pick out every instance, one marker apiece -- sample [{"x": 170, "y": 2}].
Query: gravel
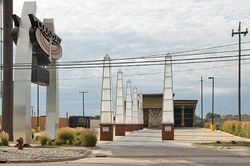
[{"x": 12, "y": 154}]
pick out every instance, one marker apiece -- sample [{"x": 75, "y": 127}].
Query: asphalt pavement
[{"x": 146, "y": 148}]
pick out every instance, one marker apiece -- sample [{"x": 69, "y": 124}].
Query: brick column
[
  {"x": 167, "y": 132},
  {"x": 106, "y": 132}
]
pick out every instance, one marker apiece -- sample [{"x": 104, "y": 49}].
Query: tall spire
[
  {"x": 168, "y": 103},
  {"x": 135, "y": 106},
  {"x": 106, "y": 130},
  {"x": 129, "y": 114},
  {"x": 120, "y": 116}
]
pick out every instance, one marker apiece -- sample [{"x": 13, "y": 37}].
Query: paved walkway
[{"x": 148, "y": 143}]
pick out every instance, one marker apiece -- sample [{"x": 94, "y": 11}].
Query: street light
[
  {"x": 83, "y": 92},
  {"x": 212, "y": 78}
]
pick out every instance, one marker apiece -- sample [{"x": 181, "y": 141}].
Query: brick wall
[{"x": 63, "y": 122}]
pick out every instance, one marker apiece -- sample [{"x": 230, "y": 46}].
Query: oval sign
[{"x": 49, "y": 48}]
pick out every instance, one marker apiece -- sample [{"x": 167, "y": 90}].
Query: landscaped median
[
  {"x": 38, "y": 154},
  {"x": 69, "y": 144}
]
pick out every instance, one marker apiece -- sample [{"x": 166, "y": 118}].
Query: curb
[
  {"x": 180, "y": 156},
  {"x": 84, "y": 155}
]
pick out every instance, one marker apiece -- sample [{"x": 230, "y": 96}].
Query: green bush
[
  {"x": 245, "y": 130},
  {"x": 85, "y": 137},
  {"x": 4, "y": 138},
  {"x": 90, "y": 140},
  {"x": 65, "y": 136},
  {"x": 233, "y": 142},
  {"x": 33, "y": 133},
  {"x": 44, "y": 139},
  {"x": 218, "y": 142},
  {"x": 78, "y": 137}
]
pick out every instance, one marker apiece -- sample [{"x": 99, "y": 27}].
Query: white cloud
[{"x": 126, "y": 28}]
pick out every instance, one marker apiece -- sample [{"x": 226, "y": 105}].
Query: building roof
[{"x": 156, "y": 101}]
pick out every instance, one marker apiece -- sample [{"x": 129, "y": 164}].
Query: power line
[
  {"x": 160, "y": 55},
  {"x": 151, "y": 73},
  {"x": 144, "y": 61}
]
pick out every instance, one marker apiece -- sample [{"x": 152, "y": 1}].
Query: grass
[
  {"x": 227, "y": 144},
  {"x": 241, "y": 129}
]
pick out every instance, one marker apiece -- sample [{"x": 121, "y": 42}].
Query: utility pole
[
  {"x": 201, "y": 101},
  {"x": 1, "y": 47},
  {"x": 239, "y": 67},
  {"x": 212, "y": 78},
  {"x": 7, "y": 99},
  {"x": 83, "y": 92}
]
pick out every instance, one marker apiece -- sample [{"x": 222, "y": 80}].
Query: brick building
[{"x": 184, "y": 111}]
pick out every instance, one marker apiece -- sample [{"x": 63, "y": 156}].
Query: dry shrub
[
  {"x": 44, "y": 139},
  {"x": 85, "y": 137},
  {"x": 245, "y": 129},
  {"x": 237, "y": 128},
  {"x": 229, "y": 127},
  {"x": 4, "y": 139},
  {"x": 65, "y": 136},
  {"x": 206, "y": 125}
]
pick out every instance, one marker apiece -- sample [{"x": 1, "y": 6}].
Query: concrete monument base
[
  {"x": 120, "y": 130},
  {"x": 106, "y": 132},
  {"x": 167, "y": 131}
]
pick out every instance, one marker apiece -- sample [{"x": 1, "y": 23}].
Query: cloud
[{"x": 92, "y": 28}]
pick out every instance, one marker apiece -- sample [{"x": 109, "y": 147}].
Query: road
[{"x": 146, "y": 148}]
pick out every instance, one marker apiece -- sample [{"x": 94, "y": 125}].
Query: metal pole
[
  {"x": 38, "y": 113},
  {"x": 7, "y": 99},
  {"x": 212, "y": 100},
  {"x": 83, "y": 92},
  {"x": 212, "y": 78},
  {"x": 202, "y": 101},
  {"x": 1, "y": 47},
  {"x": 239, "y": 67},
  {"x": 239, "y": 80}
]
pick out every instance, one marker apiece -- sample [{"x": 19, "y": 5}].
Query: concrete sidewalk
[{"x": 148, "y": 143}]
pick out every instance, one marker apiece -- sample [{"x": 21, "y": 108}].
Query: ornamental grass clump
[
  {"x": 206, "y": 125},
  {"x": 229, "y": 127},
  {"x": 245, "y": 130},
  {"x": 237, "y": 128},
  {"x": 85, "y": 137},
  {"x": 65, "y": 136},
  {"x": 4, "y": 138},
  {"x": 90, "y": 138},
  {"x": 44, "y": 139}
]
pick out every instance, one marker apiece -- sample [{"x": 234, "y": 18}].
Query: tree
[
  {"x": 97, "y": 117},
  {"x": 209, "y": 116}
]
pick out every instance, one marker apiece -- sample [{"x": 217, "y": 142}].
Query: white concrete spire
[
  {"x": 120, "y": 114},
  {"x": 135, "y": 106},
  {"x": 168, "y": 104},
  {"x": 106, "y": 103},
  {"x": 140, "y": 115},
  {"x": 129, "y": 119}
]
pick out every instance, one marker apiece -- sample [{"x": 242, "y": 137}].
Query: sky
[{"x": 90, "y": 29}]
